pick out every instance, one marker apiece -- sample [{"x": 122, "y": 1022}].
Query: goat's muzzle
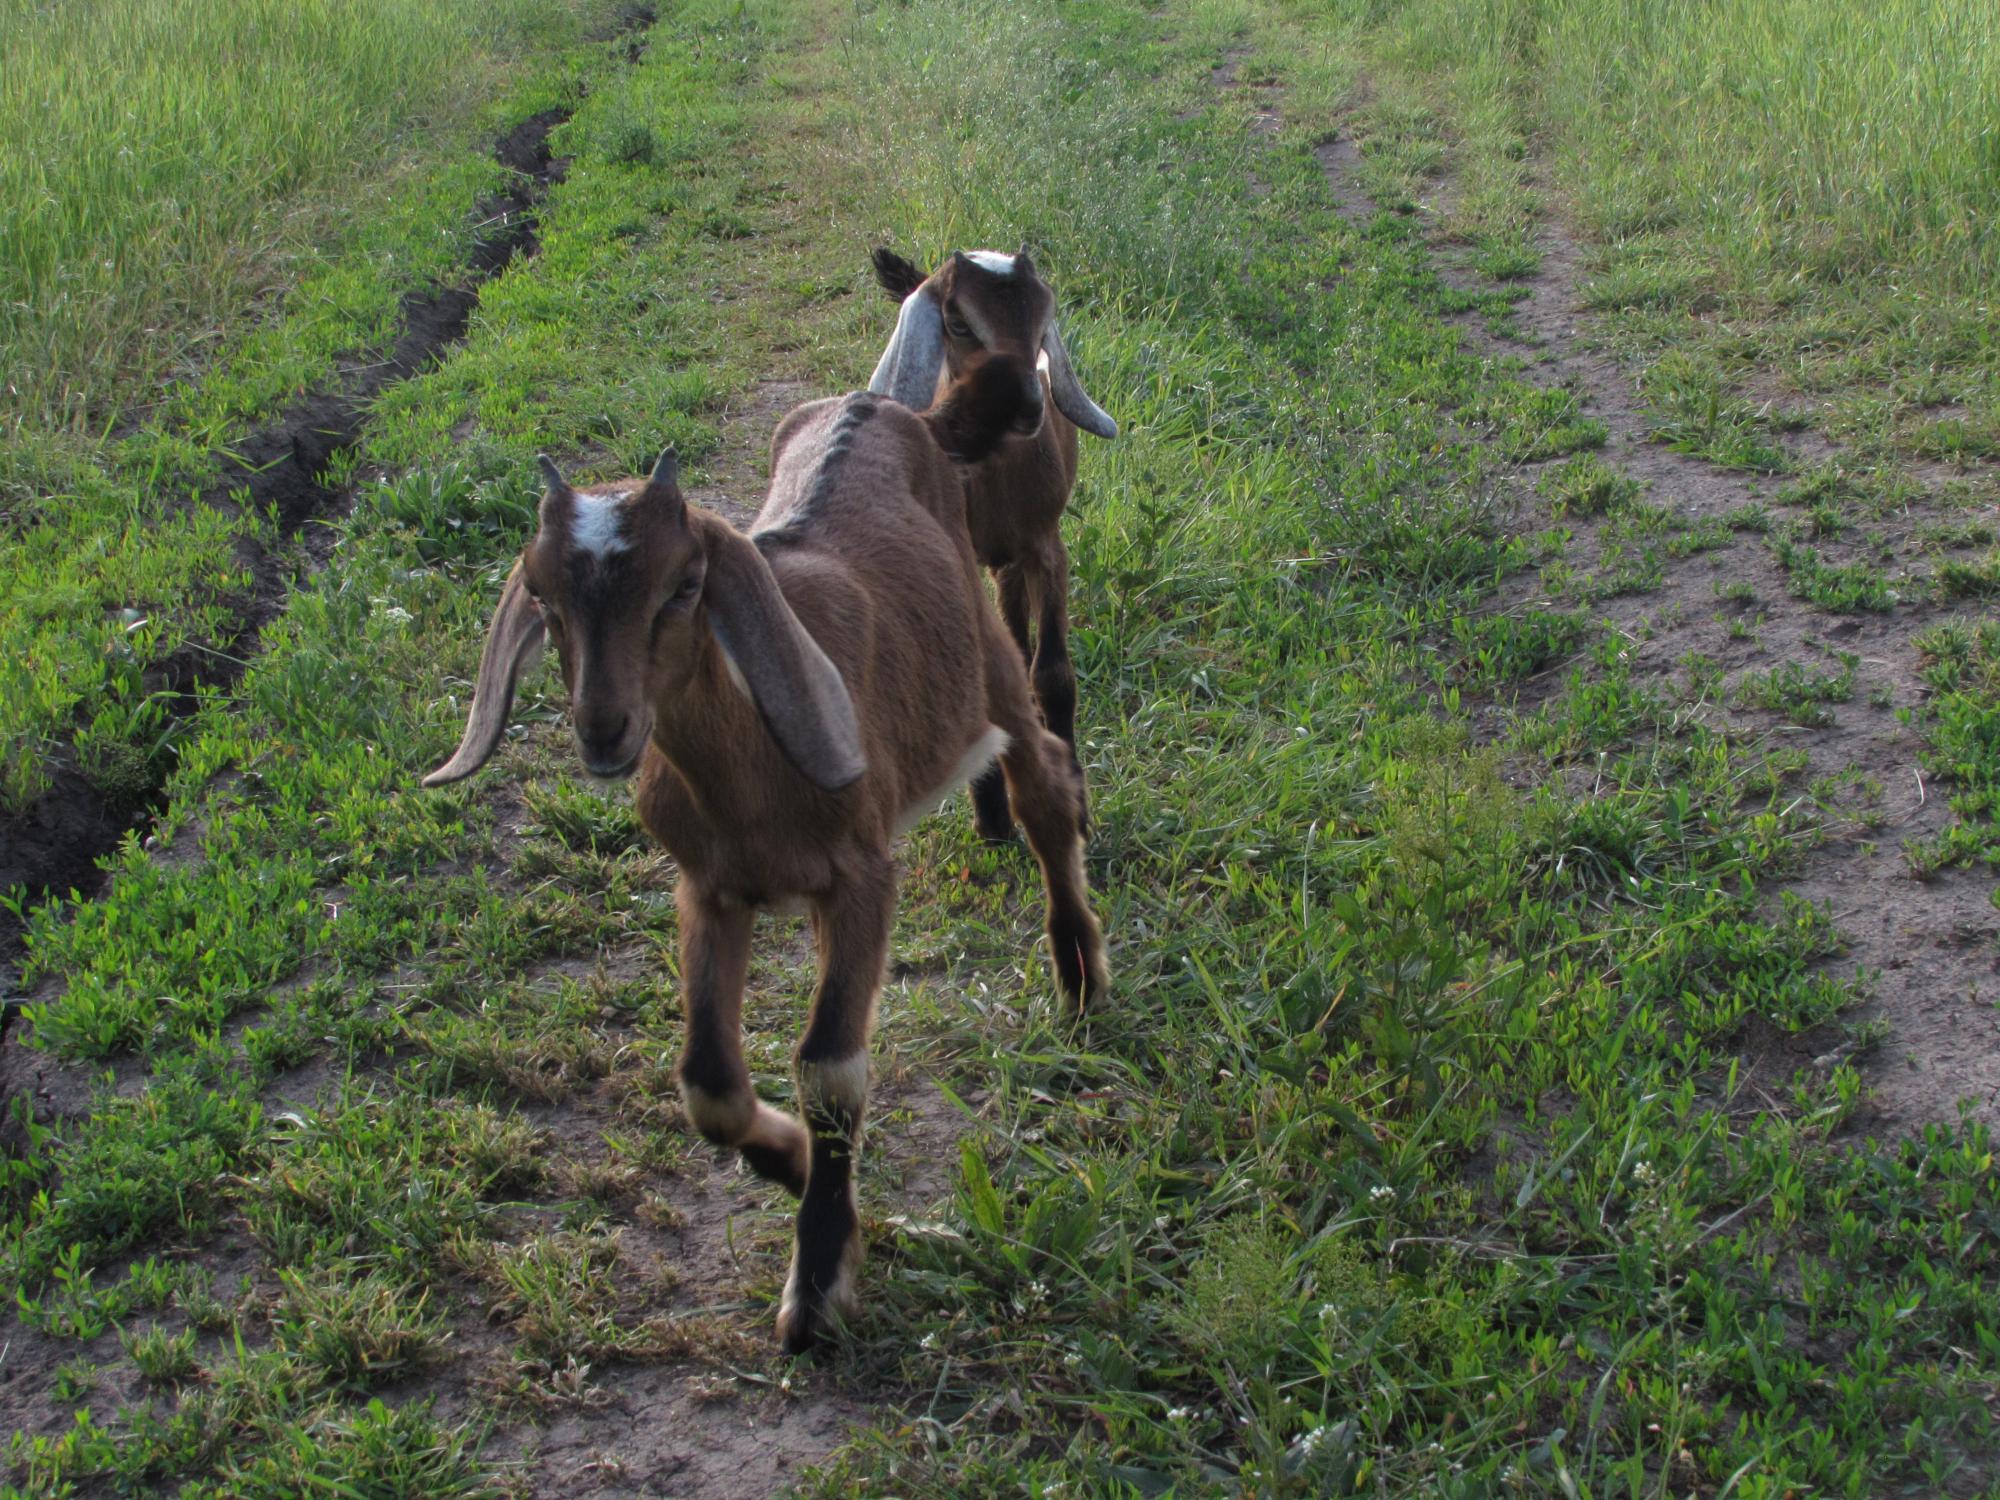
[
  {"x": 611, "y": 751},
  {"x": 1028, "y": 421}
]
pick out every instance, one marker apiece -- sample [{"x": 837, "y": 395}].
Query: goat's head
[
  {"x": 635, "y": 589},
  {"x": 978, "y": 300}
]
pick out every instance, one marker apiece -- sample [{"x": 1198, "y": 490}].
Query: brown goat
[
  {"x": 792, "y": 699},
  {"x": 984, "y": 302}
]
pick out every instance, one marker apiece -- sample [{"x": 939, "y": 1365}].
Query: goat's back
[{"x": 865, "y": 532}]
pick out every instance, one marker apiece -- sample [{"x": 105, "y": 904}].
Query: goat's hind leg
[
  {"x": 1053, "y": 673},
  {"x": 715, "y": 1085},
  {"x": 852, "y": 925},
  {"x": 990, "y": 812},
  {"x": 1048, "y": 798}
]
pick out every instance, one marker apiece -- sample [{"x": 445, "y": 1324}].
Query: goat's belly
[{"x": 985, "y": 750}]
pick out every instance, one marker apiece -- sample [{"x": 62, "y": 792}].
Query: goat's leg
[
  {"x": 1054, "y": 675},
  {"x": 1048, "y": 797},
  {"x": 852, "y": 925},
  {"x": 990, "y": 813},
  {"x": 715, "y": 1085}
]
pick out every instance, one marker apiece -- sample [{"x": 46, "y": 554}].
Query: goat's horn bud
[
  {"x": 551, "y": 475},
  {"x": 667, "y": 472}
]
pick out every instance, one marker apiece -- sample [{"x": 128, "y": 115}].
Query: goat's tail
[
  {"x": 996, "y": 397},
  {"x": 898, "y": 277}
]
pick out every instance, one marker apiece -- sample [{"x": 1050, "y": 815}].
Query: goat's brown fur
[{"x": 862, "y": 543}]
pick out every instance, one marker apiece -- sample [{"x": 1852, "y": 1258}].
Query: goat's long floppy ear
[
  {"x": 515, "y": 635},
  {"x": 797, "y": 690},
  {"x": 1069, "y": 397},
  {"x": 908, "y": 369}
]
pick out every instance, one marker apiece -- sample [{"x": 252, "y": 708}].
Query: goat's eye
[
  {"x": 689, "y": 587},
  {"x": 958, "y": 328}
]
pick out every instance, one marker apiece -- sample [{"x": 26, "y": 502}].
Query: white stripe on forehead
[
  {"x": 992, "y": 260},
  {"x": 596, "y": 524}
]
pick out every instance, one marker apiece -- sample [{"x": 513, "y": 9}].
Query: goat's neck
[{"x": 713, "y": 737}]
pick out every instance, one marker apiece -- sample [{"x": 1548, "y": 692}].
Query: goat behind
[{"x": 978, "y": 305}]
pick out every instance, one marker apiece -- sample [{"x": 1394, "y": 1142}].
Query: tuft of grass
[
  {"x": 1961, "y": 667},
  {"x": 1532, "y": 423},
  {"x": 1586, "y": 486},
  {"x": 356, "y": 1330},
  {"x": 1798, "y": 693}
]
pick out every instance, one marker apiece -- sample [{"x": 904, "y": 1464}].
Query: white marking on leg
[
  {"x": 597, "y": 524},
  {"x": 721, "y": 1117},
  {"x": 838, "y": 1081},
  {"x": 992, "y": 260},
  {"x": 988, "y": 748}
]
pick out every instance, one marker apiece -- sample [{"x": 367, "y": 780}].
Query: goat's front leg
[
  {"x": 990, "y": 812},
  {"x": 715, "y": 959},
  {"x": 852, "y": 925}
]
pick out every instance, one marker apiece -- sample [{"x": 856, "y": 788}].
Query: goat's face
[
  {"x": 978, "y": 300},
  {"x": 996, "y": 304},
  {"x": 616, "y": 572},
  {"x": 635, "y": 590}
]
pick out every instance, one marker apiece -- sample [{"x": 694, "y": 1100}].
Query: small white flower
[
  {"x": 1379, "y": 1194},
  {"x": 1309, "y": 1444},
  {"x": 928, "y": 1341},
  {"x": 1179, "y": 1413}
]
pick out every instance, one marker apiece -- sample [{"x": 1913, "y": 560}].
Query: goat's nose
[
  {"x": 603, "y": 744},
  {"x": 1029, "y": 419}
]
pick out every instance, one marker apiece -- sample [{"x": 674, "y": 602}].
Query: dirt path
[{"x": 1932, "y": 946}]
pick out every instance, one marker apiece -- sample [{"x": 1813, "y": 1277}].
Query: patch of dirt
[
  {"x": 1931, "y": 947},
  {"x": 1264, "y": 119},
  {"x": 1340, "y": 160},
  {"x": 738, "y": 476}
]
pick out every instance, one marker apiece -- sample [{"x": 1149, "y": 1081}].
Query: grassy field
[
  {"x": 1473, "y": 1114},
  {"x": 1792, "y": 200},
  {"x": 179, "y": 261}
]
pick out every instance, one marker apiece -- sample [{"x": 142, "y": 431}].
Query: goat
[
  {"x": 792, "y": 700},
  {"x": 1015, "y": 497}
]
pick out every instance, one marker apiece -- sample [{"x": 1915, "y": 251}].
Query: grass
[
  {"x": 171, "y": 165},
  {"x": 176, "y": 207},
  {"x": 1962, "y": 669},
  {"x": 1778, "y": 203},
  {"x": 1417, "y": 1151}
]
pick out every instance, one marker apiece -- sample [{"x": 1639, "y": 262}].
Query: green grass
[
  {"x": 1414, "y": 1152},
  {"x": 1780, "y": 204},
  {"x": 176, "y": 205},
  {"x": 1962, "y": 669},
  {"x": 169, "y": 166}
]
